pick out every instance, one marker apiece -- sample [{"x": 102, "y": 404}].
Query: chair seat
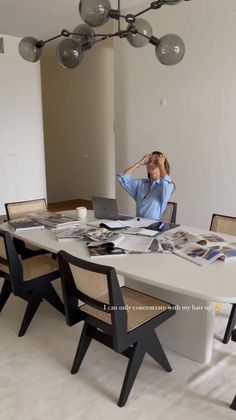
[
  {"x": 4, "y": 268},
  {"x": 140, "y": 308},
  {"x": 34, "y": 267},
  {"x": 38, "y": 266}
]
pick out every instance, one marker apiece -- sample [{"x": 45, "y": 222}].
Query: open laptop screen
[{"x": 106, "y": 208}]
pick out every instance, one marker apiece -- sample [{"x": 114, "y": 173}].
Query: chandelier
[{"x": 169, "y": 48}]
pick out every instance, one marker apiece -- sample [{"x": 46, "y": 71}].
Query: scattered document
[
  {"x": 53, "y": 219},
  {"x": 25, "y": 224},
  {"x": 110, "y": 224},
  {"x": 134, "y": 243}
]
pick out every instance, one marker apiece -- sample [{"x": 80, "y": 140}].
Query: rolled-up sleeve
[{"x": 130, "y": 185}]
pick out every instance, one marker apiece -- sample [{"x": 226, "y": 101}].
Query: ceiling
[{"x": 44, "y": 18}]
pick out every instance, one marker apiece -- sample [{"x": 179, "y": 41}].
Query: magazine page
[
  {"x": 106, "y": 250},
  {"x": 71, "y": 233},
  {"x": 114, "y": 240},
  {"x": 182, "y": 238},
  {"x": 53, "y": 219},
  {"x": 25, "y": 224},
  {"x": 229, "y": 252},
  {"x": 212, "y": 238},
  {"x": 135, "y": 243},
  {"x": 103, "y": 234},
  {"x": 198, "y": 254},
  {"x": 100, "y": 235}
]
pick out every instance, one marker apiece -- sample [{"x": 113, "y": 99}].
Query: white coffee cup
[{"x": 81, "y": 212}]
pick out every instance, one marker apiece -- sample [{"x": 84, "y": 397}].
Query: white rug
[{"x": 35, "y": 379}]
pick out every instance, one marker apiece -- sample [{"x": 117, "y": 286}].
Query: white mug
[{"x": 81, "y": 212}]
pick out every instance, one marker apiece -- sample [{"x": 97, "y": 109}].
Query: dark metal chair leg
[
  {"x": 32, "y": 307},
  {"x": 51, "y": 296},
  {"x": 5, "y": 293},
  {"x": 83, "y": 345},
  {"x": 156, "y": 351},
  {"x": 233, "y": 405},
  {"x": 131, "y": 372},
  {"x": 230, "y": 325}
]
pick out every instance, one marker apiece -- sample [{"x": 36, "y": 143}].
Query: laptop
[{"x": 106, "y": 208}]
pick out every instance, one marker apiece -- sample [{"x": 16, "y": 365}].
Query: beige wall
[
  {"x": 22, "y": 167},
  {"x": 196, "y": 129},
  {"x": 79, "y": 126}
]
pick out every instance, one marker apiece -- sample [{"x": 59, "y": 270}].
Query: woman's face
[{"x": 153, "y": 165}]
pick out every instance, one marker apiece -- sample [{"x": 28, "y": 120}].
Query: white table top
[{"x": 215, "y": 282}]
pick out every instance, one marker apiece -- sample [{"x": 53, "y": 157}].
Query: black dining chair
[
  {"x": 18, "y": 210},
  {"x": 233, "y": 404},
  {"x": 106, "y": 318},
  {"x": 29, "y": 279},
  {"x": 226, "y": 224},
  {"x": 170, "y": 213}
]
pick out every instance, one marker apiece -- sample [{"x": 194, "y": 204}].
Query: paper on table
[
  {"x": 147, "y": 232},
  {"x": 139, "y": 222},
  {"x": 115, "y": 240},
  {"x": 112, "y": 224},
  {"x": 135, "y": 243}
]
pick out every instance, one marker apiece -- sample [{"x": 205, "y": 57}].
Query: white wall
[
  {"x": 79, "y": 126},
  {"x": 196, "y": 129},
  {"x": 22, "y": 168}
]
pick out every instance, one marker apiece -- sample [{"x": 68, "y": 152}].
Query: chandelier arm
[
  {"x": 143, "y": 11},
  {"x": 41, "y": 43},
  {"x": 121, "y": 34}
]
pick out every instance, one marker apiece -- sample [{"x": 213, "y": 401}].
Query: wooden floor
[
  {"x": 62, "y": 205},
  {"x": 69, "y": 205}
]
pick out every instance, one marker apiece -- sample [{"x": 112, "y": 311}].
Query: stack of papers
[
  {"x": 54, "y": 220},
  {"x": 25, "y": 224}
]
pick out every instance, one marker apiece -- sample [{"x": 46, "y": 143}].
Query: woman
[{"x": 152, "y": 194}]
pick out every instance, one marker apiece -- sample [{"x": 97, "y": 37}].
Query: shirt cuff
[{"x": 123, "y": 176}]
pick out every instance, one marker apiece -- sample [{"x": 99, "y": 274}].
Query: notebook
[{"x": 106, "y": 208}]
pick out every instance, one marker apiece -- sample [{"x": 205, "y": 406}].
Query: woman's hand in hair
[
  {"x": 144, "y": 160},
  {"x": 161, "y": 161},
  {"x": 136, "y": 165}
]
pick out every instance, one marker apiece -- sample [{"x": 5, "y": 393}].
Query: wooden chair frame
[
  {"x": 133, "y": 344},
  {"x": 21, "y": 247},
  {"x": 174, "y": 212},
  {"x": 33, "y": 291},
  {"x": 232, "y": 317}
]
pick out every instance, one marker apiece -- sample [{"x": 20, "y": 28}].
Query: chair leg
[
  {"x": 233, "y": 405},
  {"x": 230, "y": 325},
  {"x": 32, "y": 307},
  {"x": 51, "y": 296},
  {"x": 134, "y": 364},
  {"x": 5, "y": 293},
  {"x": 156, "y": 351},
  {"x": 83, "y": 345}
]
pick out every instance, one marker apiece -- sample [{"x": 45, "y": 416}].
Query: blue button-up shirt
[{"x": 150, "y": 205}]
